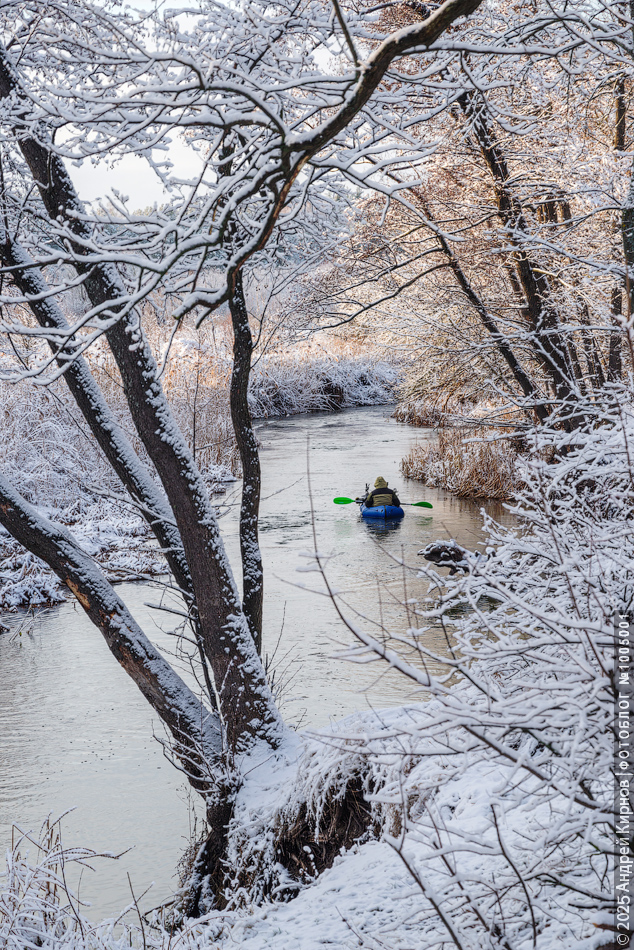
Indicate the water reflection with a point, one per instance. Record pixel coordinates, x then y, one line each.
380 528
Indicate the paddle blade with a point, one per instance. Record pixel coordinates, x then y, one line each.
343 501
420 504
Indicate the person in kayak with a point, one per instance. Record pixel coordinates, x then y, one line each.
381 495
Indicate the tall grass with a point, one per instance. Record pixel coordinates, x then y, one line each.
452 411
469 469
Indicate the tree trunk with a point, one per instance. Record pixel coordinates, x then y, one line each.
247 708
593 357
627 231
195 730
615 368
519 374
252 573
547 339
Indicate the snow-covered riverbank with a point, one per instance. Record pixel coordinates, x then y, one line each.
490 795
431 860
44 449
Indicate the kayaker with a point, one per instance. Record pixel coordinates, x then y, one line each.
381 495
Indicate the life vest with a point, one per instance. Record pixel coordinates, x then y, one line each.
381 496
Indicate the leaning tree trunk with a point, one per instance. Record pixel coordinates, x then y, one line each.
195 730
521 377
547 337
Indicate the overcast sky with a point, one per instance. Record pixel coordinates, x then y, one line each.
132 176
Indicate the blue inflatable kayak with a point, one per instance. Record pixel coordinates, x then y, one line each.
381 512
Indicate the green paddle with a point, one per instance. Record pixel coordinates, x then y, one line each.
410 504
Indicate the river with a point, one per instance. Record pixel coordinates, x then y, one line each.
76 733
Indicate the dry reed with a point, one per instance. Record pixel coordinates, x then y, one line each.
453 412
482 469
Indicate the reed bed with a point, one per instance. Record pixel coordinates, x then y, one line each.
456 413
469 469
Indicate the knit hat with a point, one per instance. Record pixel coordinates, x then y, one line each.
380 483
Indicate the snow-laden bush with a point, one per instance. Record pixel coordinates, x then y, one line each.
38 908
46 448
282 387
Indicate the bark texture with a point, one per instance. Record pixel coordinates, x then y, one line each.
252 572
195 729
615 368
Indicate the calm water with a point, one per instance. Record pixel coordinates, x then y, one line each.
76 733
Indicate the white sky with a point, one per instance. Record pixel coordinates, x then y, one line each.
132 176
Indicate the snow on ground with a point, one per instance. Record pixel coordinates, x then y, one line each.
367 893
369 897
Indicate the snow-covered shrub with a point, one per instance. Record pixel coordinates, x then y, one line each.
38 908
49 454
468 466
45 446
282 387
46 450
